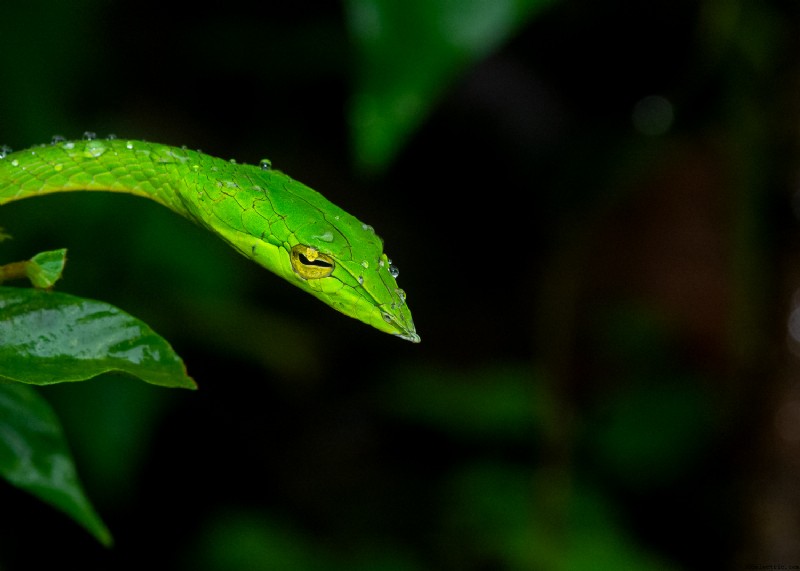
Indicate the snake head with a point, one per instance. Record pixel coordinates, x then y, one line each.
350 272
295 232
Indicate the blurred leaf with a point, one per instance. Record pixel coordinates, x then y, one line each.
239 541
408 52
34 456
648 434
130 415
49 337
496 402
503 516
598 540
661 416
251 541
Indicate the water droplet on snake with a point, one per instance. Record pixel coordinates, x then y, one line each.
94 149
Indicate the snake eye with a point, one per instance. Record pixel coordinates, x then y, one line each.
310 264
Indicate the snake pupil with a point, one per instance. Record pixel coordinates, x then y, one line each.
318 262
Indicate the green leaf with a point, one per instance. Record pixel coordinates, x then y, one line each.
49 337
408 52
34 456
45 268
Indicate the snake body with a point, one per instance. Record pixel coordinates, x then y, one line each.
276 221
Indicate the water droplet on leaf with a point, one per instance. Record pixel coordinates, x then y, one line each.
89 136
265 164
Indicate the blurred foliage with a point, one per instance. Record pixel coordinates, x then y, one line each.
590 204
408 53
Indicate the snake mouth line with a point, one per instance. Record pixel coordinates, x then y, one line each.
410 336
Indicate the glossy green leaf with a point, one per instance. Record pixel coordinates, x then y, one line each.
34 456
408 52
50 337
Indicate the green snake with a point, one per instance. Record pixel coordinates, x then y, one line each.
264 214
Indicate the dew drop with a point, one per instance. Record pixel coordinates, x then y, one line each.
94 149
57 139
89 136
69 145
129 145
111 136
15 163
265 164
368 228
393 271
4 151
361 280
365 264
232 161
401 299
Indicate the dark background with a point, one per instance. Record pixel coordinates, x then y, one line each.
596 229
